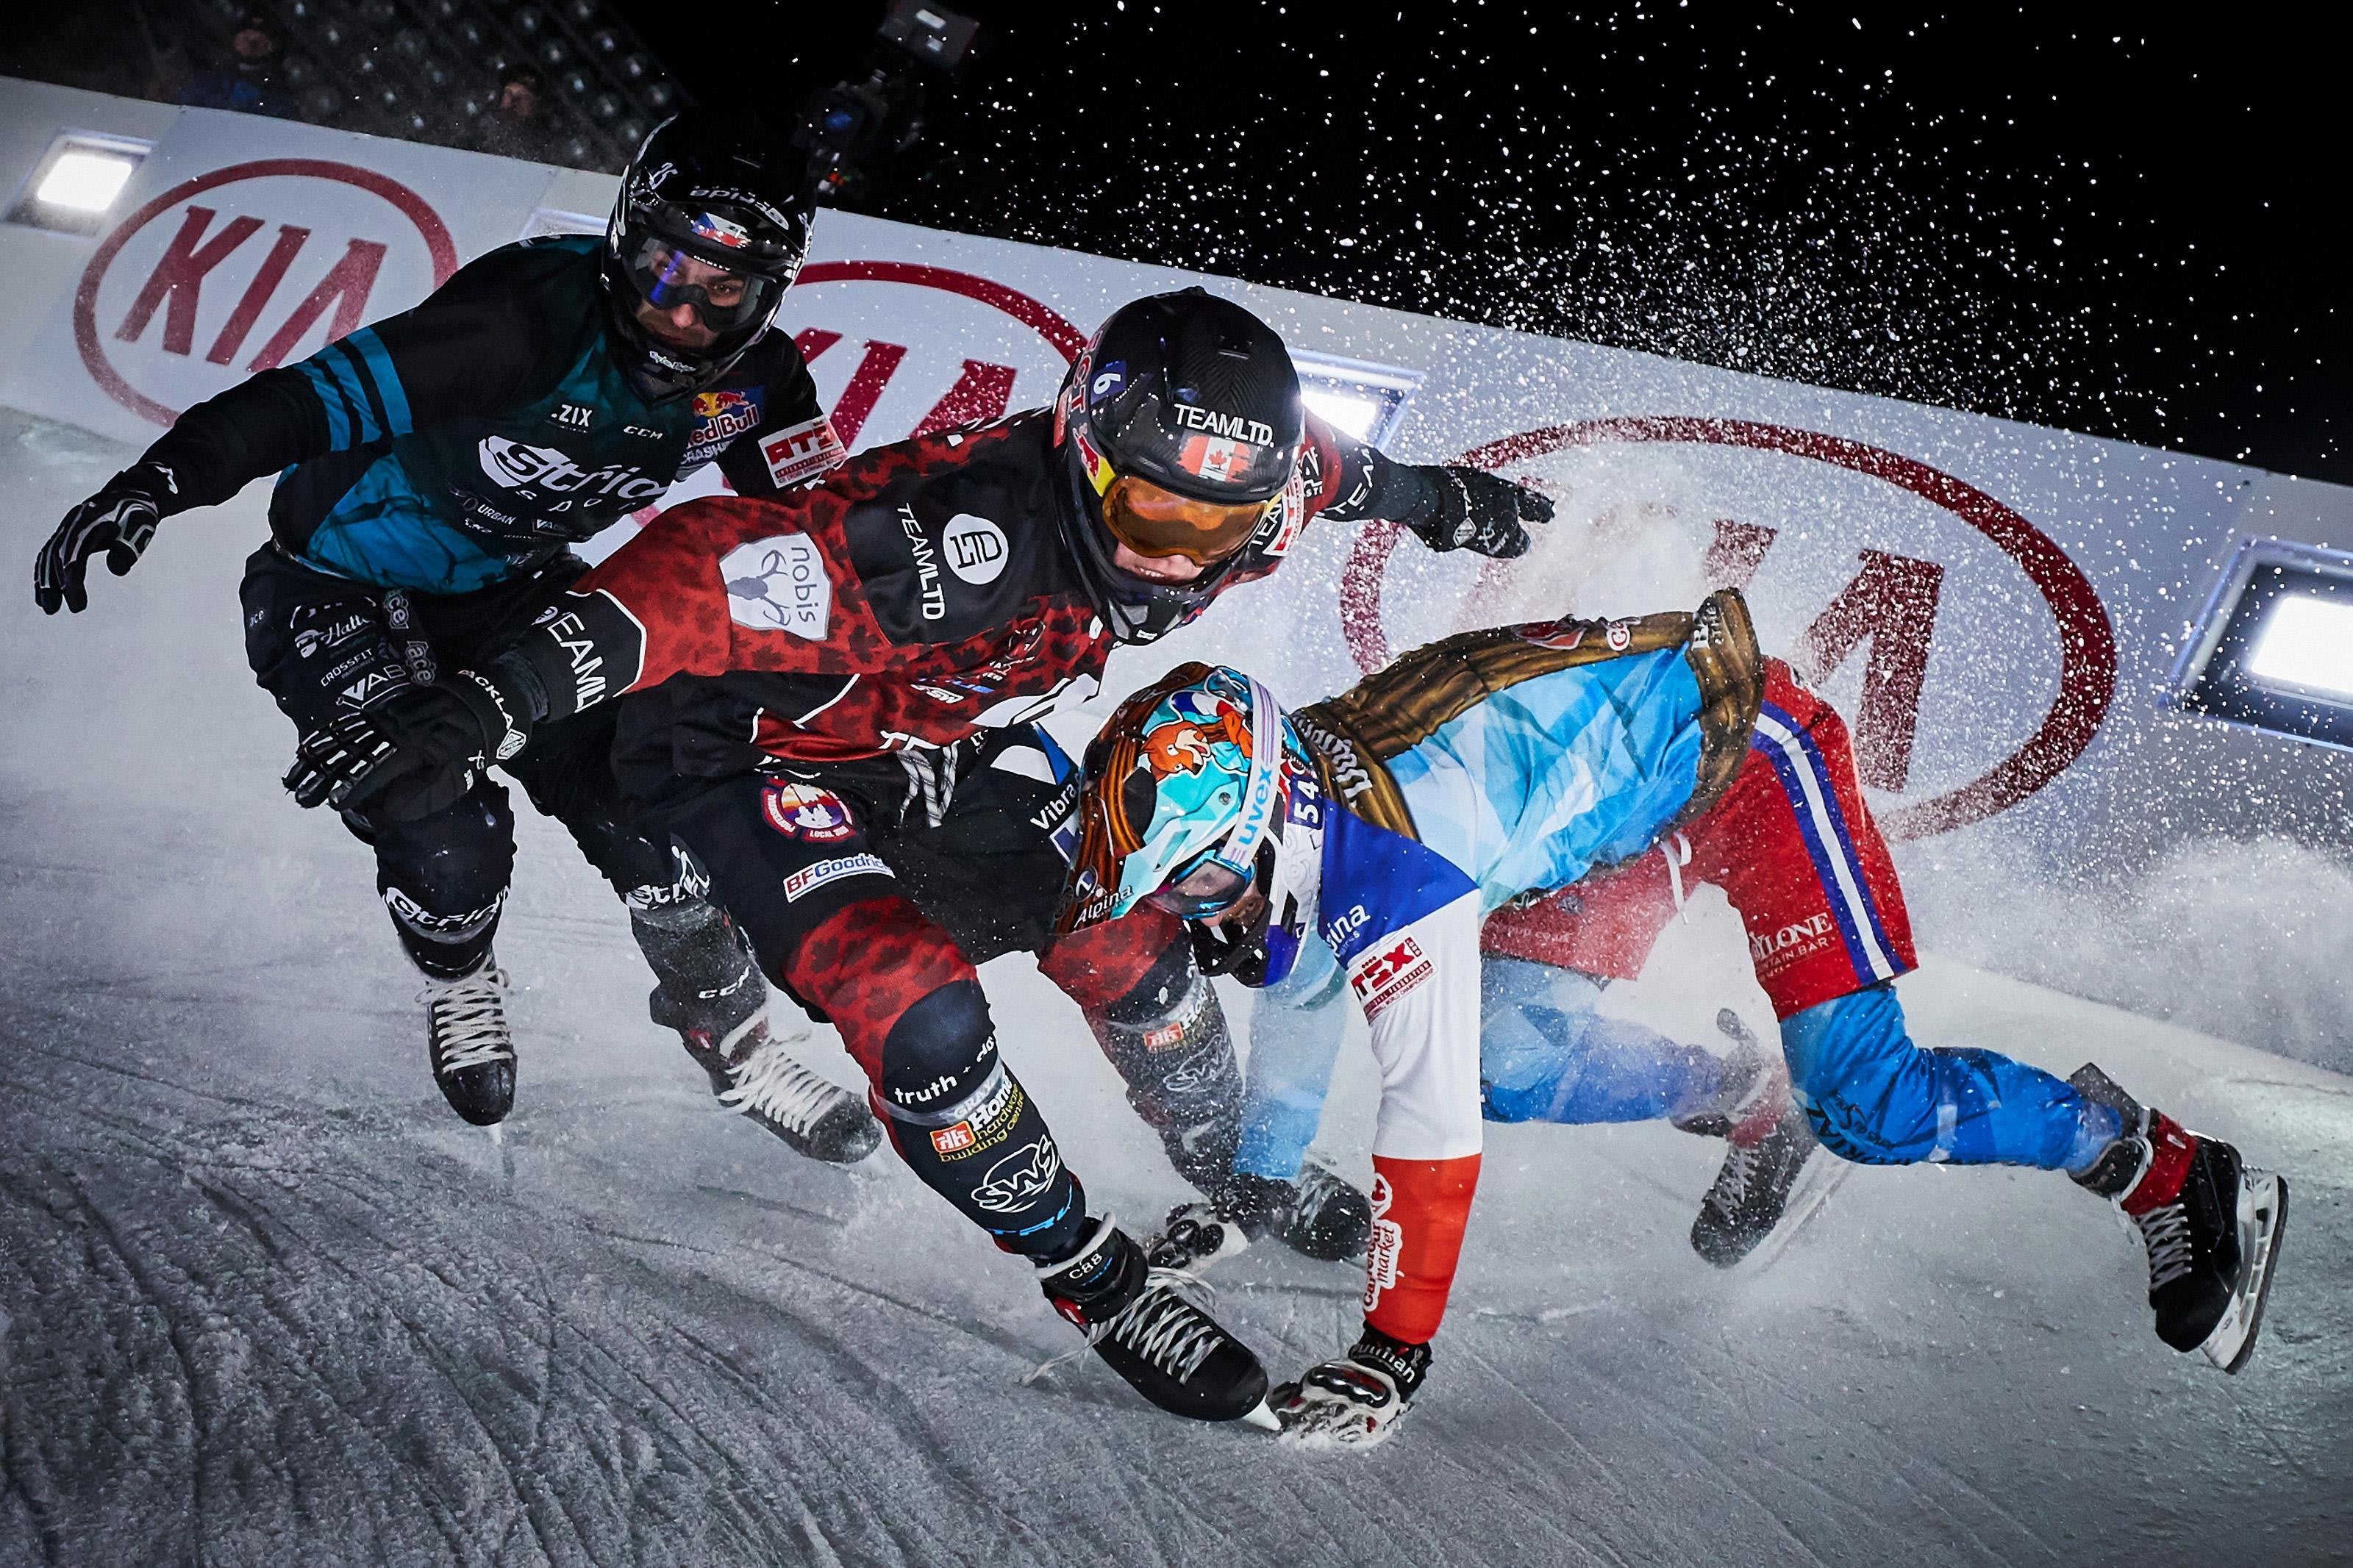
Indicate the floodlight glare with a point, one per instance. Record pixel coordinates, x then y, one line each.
2307 643
1356 416
84 180
2273 647
1365 401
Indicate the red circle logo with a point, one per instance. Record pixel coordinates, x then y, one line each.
2087 645
888 373
174 289
1065 338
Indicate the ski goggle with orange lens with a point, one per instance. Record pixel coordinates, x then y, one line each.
1152 520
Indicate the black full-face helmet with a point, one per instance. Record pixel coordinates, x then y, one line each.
1180 426
710 216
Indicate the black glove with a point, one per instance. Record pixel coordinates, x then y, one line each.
119 519
419 749
1479 512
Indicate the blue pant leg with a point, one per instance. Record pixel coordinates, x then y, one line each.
1876 1097
1295 1039
1546 1054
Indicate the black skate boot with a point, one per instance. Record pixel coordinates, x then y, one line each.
712 994
472 1049
1770 1143
2212 1226
1171 1044
1751 1195
1321 1215
1169 1350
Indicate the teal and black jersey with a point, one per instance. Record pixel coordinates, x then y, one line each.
474 436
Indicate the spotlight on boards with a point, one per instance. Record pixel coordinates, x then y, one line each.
1365 400
2273 649
74 185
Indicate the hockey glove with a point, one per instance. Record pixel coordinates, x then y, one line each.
1478 511
119 519
1354 1401
419 749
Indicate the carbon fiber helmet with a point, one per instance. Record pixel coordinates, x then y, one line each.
712 217
1180 425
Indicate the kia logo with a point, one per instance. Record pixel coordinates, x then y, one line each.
242 291
1891 602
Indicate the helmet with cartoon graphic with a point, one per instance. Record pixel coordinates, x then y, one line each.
1180 426
710 227
1198 793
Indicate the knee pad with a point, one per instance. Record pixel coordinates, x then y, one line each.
445 878
964 1124
940 1058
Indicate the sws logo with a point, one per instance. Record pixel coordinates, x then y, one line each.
1019 1179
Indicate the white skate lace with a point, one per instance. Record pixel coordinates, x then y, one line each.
467 1020
771 1084
2167 1231
1315 1188
1732 1183
1160 1325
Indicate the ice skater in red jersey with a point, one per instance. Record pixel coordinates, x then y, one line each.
835 730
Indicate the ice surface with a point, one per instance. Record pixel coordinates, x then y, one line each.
263 1298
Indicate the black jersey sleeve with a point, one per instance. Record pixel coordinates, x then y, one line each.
482 341
794 441
1362 482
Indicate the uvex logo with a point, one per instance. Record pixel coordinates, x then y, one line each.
246 269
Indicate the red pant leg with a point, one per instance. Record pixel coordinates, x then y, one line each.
1604 925
1795 849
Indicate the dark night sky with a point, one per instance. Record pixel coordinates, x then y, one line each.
2085 223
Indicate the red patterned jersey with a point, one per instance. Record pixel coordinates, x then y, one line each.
918 592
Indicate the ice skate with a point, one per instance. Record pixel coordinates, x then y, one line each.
1763 1193
1753 1092
471 1046
1770 1144
2212 1226
1321 1215
724 1027
1169 1350
765 1082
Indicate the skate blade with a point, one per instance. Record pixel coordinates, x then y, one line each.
1261 1417
2262 1215
1825 1173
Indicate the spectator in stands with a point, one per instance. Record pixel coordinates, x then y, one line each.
516 126
246 80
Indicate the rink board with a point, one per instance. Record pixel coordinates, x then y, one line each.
1999 606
